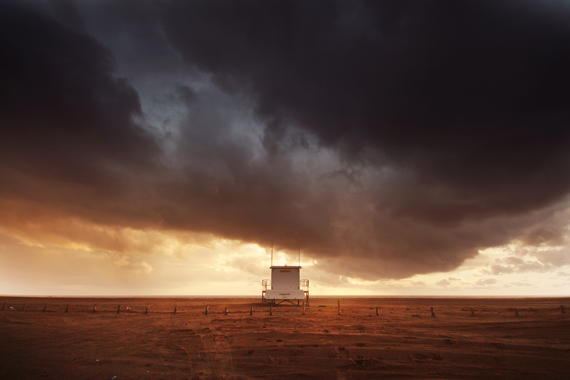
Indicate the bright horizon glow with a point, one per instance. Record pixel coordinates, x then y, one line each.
221 267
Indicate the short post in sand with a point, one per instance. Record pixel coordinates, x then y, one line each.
516 312
146 310
206 311
4 305
23 307
226 311
472 312
338 307
119 309
561 309
377 311
94 308
251 311
175 307
432 313
270 310
45 307
66 308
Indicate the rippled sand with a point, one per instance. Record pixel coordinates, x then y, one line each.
466 339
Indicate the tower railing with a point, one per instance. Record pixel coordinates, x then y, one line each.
304 285
266 285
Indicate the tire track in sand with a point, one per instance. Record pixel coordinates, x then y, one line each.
218 357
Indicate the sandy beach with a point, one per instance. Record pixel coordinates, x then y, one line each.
466 338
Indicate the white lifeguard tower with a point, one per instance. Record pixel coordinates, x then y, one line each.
285 285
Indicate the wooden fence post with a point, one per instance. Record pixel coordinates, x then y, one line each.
270 310
561 309
206 312
3 305
377 311
45 307
94 308
119 309
251 311
226 311
66 308
175 307
432 313
146 310
516 312
338 307
472 312
23 307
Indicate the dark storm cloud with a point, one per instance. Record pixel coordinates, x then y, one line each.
450 119
132 30
466 99
470 96
74 146
69 135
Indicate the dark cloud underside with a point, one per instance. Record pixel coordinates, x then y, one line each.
469 95
447 121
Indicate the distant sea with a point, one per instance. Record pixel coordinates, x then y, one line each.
257 296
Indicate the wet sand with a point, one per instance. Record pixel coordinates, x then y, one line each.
468 338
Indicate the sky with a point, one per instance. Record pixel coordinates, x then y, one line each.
406 148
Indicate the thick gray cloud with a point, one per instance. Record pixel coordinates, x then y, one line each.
464 99
469 95
70 136
388 138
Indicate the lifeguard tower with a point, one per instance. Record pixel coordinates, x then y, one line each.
285 285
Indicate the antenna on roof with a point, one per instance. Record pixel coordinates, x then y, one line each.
271 250
299 252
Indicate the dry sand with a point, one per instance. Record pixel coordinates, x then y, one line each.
403 342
